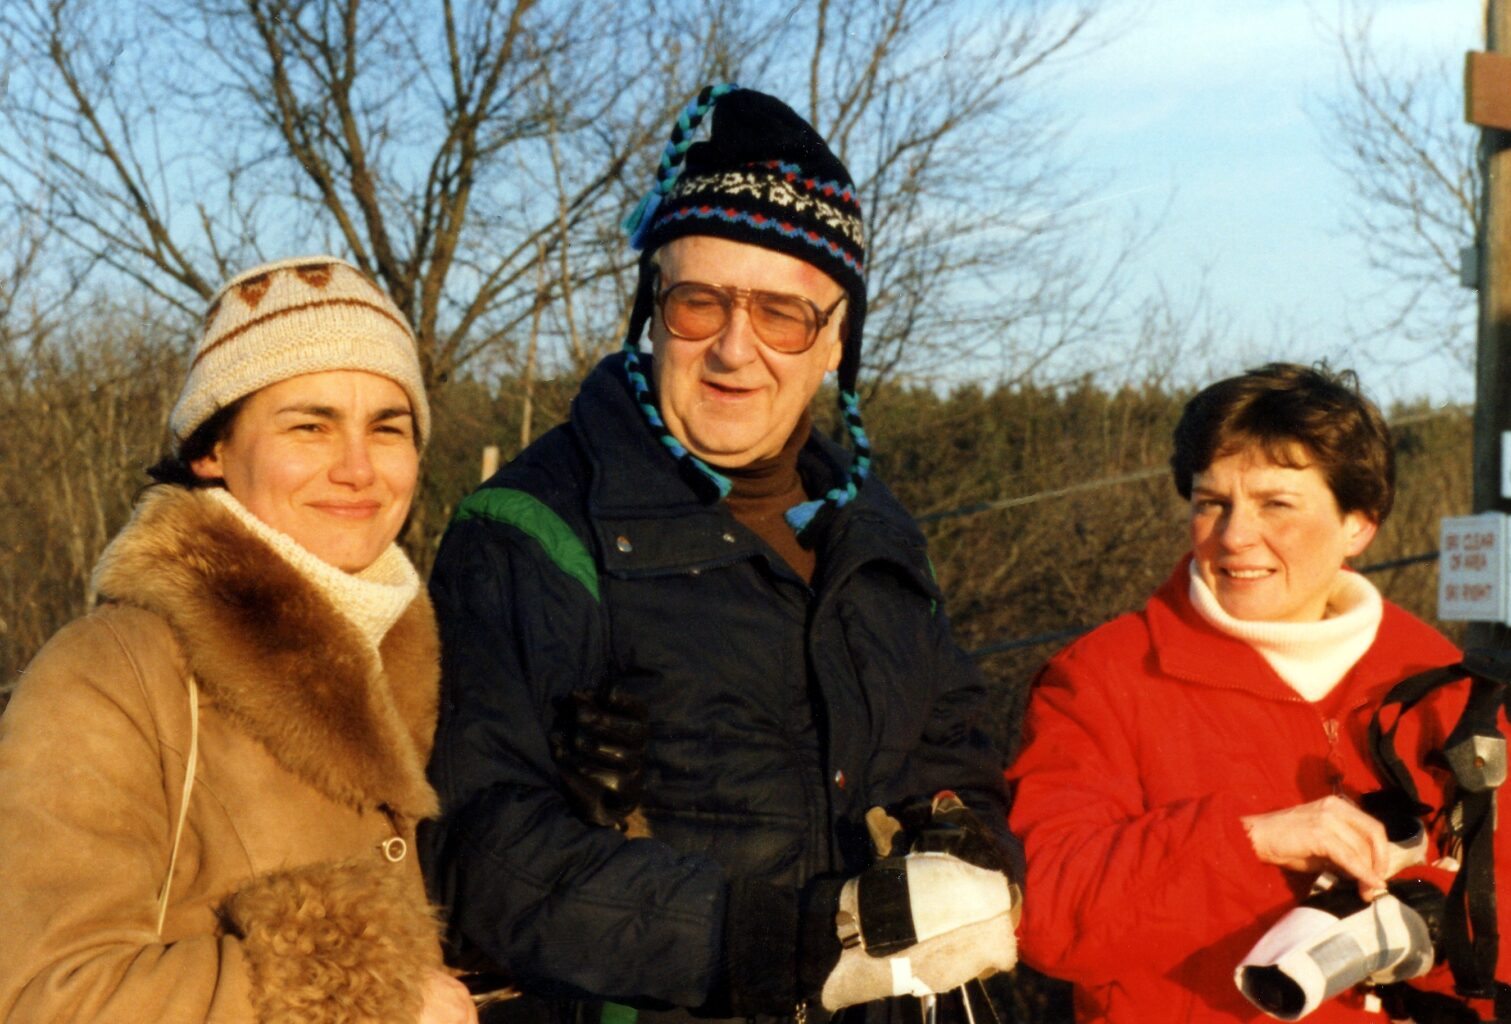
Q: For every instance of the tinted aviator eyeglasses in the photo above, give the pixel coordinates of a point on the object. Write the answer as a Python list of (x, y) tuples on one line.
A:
[(693, 310)]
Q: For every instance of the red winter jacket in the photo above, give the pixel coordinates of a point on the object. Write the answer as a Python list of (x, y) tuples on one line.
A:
[(1145, 743)]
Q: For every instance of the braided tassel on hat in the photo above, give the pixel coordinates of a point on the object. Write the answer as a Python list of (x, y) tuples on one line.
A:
[(640, 219), (801, 516), (638, 224), (695, 469)]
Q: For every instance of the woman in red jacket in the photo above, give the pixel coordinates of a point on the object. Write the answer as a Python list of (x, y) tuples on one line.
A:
[(1190, 768)]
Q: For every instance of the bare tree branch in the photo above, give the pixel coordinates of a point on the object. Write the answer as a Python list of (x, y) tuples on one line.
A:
[(1414, 175)]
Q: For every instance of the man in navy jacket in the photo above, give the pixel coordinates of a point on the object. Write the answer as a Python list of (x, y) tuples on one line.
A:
[(687, 541)]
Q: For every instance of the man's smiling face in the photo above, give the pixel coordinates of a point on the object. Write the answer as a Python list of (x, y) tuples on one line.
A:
[(729, 398)]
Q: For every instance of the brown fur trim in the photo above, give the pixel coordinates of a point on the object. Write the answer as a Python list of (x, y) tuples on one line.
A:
[(273, 653), (336, 943)]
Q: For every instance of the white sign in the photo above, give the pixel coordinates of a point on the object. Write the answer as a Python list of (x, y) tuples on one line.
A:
[(1472, 583)]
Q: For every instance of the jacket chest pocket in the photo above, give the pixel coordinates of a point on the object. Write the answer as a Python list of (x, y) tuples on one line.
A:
[(684, 638)]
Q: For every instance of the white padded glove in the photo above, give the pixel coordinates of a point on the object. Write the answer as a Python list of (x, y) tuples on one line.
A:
[(919, 925)]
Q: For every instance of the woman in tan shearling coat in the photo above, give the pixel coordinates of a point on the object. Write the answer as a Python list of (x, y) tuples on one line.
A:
[(209, 785)]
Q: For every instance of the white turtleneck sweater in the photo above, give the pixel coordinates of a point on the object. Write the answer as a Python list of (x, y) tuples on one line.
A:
[(1312, 657), (372, 599)]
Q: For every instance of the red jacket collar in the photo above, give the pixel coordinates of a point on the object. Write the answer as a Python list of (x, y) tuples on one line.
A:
[(1189, 647)]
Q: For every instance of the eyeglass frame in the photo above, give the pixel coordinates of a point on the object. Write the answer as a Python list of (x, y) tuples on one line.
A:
[(738, 295)]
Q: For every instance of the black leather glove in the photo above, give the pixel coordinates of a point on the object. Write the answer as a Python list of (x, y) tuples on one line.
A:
[(945, 825), (598, 741)]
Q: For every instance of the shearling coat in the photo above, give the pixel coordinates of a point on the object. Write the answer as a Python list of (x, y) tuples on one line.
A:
[(311, 752)]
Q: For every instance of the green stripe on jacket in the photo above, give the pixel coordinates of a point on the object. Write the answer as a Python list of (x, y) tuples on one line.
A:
[(529, 515)]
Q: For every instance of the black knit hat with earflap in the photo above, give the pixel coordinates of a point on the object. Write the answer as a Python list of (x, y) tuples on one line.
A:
[(763, 177)]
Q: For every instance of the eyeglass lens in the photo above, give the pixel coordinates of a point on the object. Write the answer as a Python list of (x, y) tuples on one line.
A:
[(787, 323)]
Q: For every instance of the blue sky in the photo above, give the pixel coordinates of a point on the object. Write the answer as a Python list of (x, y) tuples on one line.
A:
[(1201, 114)]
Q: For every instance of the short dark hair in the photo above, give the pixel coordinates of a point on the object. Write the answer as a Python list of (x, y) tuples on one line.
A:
[(176, 467), (1280, 407)]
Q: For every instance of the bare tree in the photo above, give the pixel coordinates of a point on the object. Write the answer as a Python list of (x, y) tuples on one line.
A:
[(449, 153), (175, 144), (1397, 133), (476, 159), (975, 264)]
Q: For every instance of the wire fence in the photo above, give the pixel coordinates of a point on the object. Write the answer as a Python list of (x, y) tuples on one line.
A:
[(976, 508), (1029, 499), (1071, 632)]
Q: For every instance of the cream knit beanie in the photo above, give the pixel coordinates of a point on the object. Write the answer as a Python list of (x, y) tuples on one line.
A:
[(302, 315)]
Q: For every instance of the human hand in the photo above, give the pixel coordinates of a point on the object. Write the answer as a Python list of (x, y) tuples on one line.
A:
[(447, 1001), (953, 828), (598, 743), (920, 924), (932, 967), (1323, 834)]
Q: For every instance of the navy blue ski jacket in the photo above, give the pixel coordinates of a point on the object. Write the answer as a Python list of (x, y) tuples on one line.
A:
[(779, 711)]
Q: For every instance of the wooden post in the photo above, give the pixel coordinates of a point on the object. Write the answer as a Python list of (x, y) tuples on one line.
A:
[(1492, 384), (1486, 100), (527, 414)]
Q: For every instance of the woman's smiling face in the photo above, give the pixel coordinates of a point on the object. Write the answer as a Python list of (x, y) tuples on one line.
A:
[(1268, 539), (327, 458)]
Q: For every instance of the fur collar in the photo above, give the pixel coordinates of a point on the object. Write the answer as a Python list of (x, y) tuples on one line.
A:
[(274, 654)]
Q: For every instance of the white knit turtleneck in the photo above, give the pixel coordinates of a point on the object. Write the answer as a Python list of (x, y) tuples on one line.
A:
[(372, 599), (1312, 657)]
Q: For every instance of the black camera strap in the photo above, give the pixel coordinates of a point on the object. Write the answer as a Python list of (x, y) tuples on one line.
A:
[(1476, 752), (1382, 744)]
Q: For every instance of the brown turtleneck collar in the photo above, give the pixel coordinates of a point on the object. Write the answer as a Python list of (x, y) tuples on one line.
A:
[(765, 489)]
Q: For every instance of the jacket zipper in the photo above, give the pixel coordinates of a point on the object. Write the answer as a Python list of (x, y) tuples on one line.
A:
[(1330, 730)]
